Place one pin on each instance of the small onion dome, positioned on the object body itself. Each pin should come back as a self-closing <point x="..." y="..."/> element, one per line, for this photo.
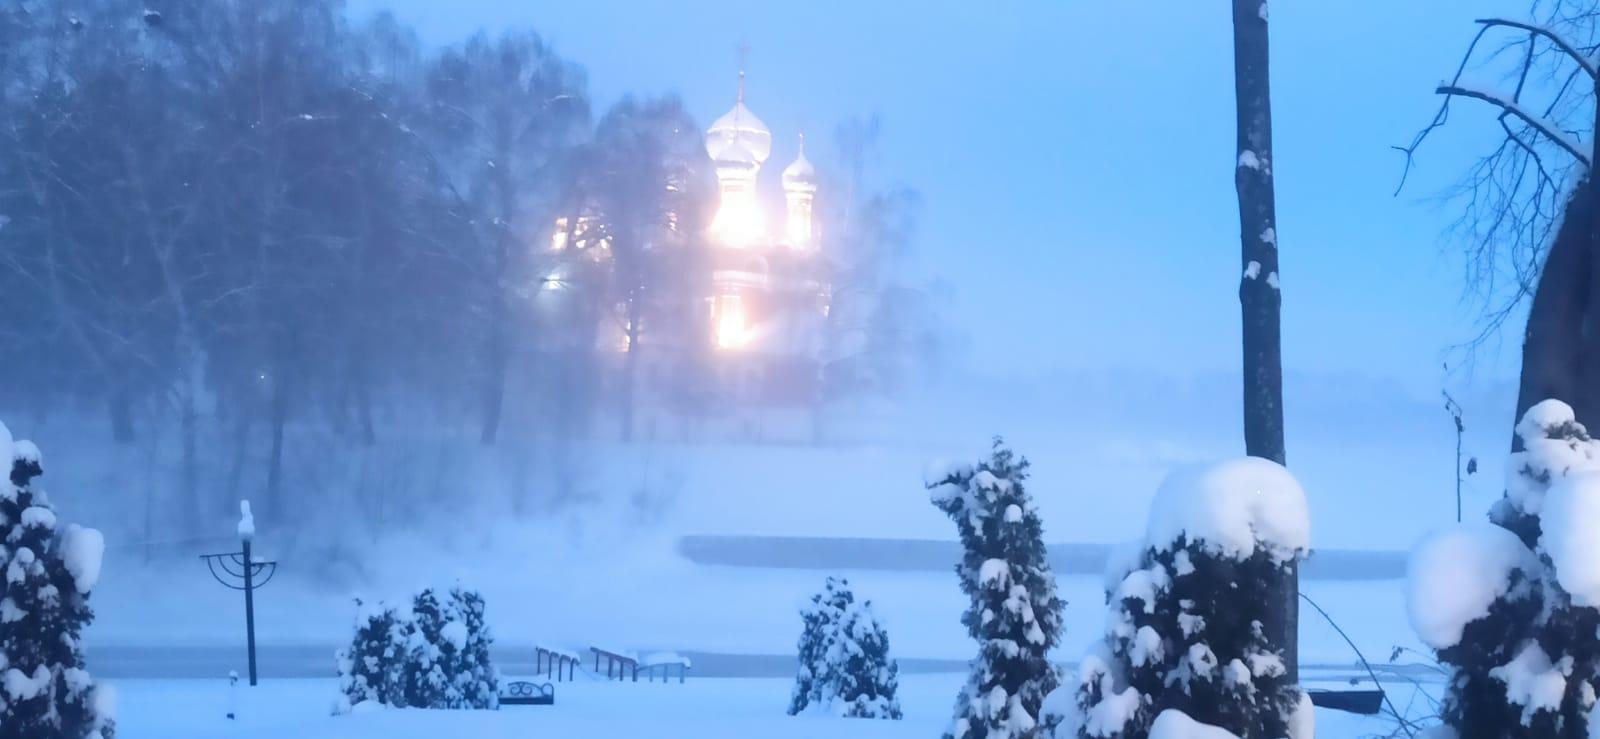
<point x="800" y="175"/>
<point x="739" y="127"/>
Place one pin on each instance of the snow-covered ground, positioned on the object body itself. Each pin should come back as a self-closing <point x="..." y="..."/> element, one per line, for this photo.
<point x="699" y="709"/>
<point x="606" y="570"/>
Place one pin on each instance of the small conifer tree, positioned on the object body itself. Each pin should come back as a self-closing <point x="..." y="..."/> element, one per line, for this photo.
<point x="45" y="688"/>
<point x="370" y="669"/>
<point x="820" y="619"/>
<point x="865" y="679"/>
<point x="1187" y="634"/>
<point x="1014" y="615"/>
<point x="476" y="679"/>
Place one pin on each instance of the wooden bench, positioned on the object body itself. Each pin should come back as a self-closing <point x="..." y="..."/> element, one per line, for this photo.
<point x="555" y="663"/>
<point x="524" y="693"/>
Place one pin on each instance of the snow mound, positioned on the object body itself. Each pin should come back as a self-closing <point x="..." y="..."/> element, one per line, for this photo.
<point x="1454" y="575"/>
<point x="1555" y="446"/>
<point x="455" y="632"/>
<point x="1231" y="507"/>
<point x="1532" y="681"/>
<point x="1175" y="724"/>
<point x="26" y="451"/>
<point x="82" y="551"/>
<point x="1570" y="510"/>
<point x="1542" y="416"/>
<point x="1303" y="722"/>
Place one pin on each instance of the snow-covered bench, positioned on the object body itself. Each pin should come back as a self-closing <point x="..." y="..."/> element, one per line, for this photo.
<point x="526" y="693"/>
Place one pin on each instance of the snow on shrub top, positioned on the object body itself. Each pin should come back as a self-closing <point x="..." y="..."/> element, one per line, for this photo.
<point x="1571" y="509"/>
<point x="1230" y="507"/>
<point x="1554" y="445"/>
<point x="1455" y="575"/>
<point x="83" y="550"/>
<point x="1175" y="724"/>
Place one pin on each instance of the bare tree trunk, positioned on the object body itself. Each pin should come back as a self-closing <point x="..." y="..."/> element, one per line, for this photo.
<point x="121" y="408"/>
<point x="494" y="381"/>
<point x="279" y="416"/>
<point x="1259" y="296"/>
<point x="630" y="369"/>
<point x="1554" y="338"/>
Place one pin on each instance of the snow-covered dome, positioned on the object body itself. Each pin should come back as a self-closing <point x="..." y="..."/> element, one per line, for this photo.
<point x="800" y="175"/>
<point x="739" y="127"/>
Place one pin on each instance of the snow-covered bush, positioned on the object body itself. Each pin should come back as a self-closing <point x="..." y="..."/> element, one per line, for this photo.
<point x="1015" y="615"/>
<point x="1511" y="607"/>
<point x="820" y="621"/>
<point x="1188" y="640"/>
<point x="845" y="666"/>
<point x="45" y="690"/>
<point x="476" y="679"/>
<point x="447" y="653"/>
<point x="370" y="669"/>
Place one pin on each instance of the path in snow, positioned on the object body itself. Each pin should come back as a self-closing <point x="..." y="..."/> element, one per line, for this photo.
<point x="903" y="555"/>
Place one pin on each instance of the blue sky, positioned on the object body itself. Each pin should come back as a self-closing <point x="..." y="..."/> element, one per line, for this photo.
<point x="1076" y="159"/>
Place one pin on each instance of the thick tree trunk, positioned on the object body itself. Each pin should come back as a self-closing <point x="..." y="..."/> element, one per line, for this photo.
<point x="1554" y="338"/>
<point x="1259" y="295"/>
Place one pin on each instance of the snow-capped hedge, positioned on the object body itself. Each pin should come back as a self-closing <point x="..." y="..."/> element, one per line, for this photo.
<point x="436" y="655"/>
<point x="845" y="667"/>
<point x="1511" y="607"/>
<point x="1188" y="651"/>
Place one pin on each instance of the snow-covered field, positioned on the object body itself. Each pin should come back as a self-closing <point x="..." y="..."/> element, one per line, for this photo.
<point x="608" y="571"/>
<point x="699" y="709"/>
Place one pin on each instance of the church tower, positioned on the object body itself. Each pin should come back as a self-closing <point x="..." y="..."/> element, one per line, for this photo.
<point x="738" y="143"/>
<point x="800" y="191"/>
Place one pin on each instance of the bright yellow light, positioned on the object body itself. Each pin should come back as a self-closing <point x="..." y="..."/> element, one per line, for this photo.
<point x="739" y="221"/>
<point x="732" y="330"/>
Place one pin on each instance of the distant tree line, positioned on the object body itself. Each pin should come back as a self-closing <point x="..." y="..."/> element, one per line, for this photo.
<point x="230" y="219"/>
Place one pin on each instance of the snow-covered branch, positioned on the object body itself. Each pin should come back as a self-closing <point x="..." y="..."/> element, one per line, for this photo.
<point x="1564" y="45"/>
<point x="1512" y="107"/>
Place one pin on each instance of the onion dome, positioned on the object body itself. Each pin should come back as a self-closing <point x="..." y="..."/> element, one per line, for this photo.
<point x="800" y="175"/>
<point x="739" y="127"/>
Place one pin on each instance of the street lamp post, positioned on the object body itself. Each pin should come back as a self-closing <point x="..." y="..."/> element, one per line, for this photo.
<point x="238" y="570"/>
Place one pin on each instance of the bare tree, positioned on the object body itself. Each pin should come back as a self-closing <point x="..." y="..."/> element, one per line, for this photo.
<point x="1259" y="295"/>
<point x="1528" y="236"/>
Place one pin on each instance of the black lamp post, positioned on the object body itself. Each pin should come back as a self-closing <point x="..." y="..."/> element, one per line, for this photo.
<point x="238" y="570"/>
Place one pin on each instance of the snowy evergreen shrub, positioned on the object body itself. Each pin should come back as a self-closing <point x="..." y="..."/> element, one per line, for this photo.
<point x="428" y="679"/>
<point x="370" y="669"/>
<point x="845" y="666"/>
<point x="1014" y="615"/>
<point x="1511" y="607"/>
<point x="1187" y="641"/>
<point x="45" y="690"/>
<point x="447" y="653"/>
<point x="819" y="623"/>
<point x="864" y="678"/>
<point x="476" y="679"/>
